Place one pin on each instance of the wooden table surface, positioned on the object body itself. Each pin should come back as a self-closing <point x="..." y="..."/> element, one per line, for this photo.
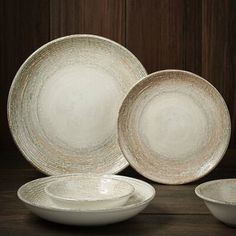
<point x="175" y="210"/>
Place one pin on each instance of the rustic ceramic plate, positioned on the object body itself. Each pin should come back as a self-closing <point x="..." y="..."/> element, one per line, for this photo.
<point x="174" y="127"/>
<point x="63" y="104"/>
<point x="35" y="198"/>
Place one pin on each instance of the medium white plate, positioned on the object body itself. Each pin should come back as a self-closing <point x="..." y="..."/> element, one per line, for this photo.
<point x="63" y="104"/>
<point x="174" y="127"/>
<point x="35" y="198"/>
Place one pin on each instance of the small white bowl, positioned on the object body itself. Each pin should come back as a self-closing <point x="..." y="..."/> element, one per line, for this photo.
<point x="89" y="193"/>
<point x="220" y="198"/>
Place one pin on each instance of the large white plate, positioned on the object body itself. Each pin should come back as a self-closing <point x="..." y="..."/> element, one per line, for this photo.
<point x="35" y="198"/>
<point x="63" y="104"/>
<point x="174" y="127"/>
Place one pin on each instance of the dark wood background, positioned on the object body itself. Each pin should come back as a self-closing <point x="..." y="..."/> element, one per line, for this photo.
<point x="195" y="35"/>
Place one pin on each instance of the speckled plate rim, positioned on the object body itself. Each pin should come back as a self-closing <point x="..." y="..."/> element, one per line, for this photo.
<point x="9" y="100"/>
<point x="117" y="209"/>
<point x="200" y="195"/>
<point x="119" y="121"/>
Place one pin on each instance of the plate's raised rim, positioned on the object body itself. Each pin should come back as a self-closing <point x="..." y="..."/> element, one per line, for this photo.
<point x="121" y="208"/>
<point x="208" y="199"/>
<point x="139" y="83"/>
<point x="9" y="99"/>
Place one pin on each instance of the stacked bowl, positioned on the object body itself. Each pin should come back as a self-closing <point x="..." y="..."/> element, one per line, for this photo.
<point x="86" y="206"/>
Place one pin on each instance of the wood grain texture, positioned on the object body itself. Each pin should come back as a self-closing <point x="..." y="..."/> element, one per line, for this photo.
<point x="24" y="27"/>
<point x="102" y="17"/>
<point x="194" y="35"/>
<point x="165" y="34"/>
<point x="175" y="210"/>
<point x="25" y="223"/>
<point x="219" y="51"/>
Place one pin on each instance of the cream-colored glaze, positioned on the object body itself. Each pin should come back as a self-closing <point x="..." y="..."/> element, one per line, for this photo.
<point x="174" y="127"/>
<point x="35" y="198"/>
<point x="63" y="104"/>
<point x="89" y="193"/>
<point x="220" y="198"/>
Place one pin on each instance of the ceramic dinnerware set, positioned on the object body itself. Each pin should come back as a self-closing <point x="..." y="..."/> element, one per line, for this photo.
<point x="82" y="107"/>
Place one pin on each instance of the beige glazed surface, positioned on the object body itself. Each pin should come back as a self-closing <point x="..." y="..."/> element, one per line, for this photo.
<point x="63" y="104"/>
<point x="85" y="192"/>
<point x="220" y="198"/>
<point x="174" y="127"/>
<point x="34" y="196"/>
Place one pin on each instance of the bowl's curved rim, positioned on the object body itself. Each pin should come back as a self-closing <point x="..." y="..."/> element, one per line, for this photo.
<point x="129" y="191"/>
<point x="213" y="200"/>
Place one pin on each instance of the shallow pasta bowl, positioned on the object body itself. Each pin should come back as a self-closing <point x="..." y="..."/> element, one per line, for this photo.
<point x="89" y="193"/>
<point x="33" y="195"/>
<point x="220" y="198"/>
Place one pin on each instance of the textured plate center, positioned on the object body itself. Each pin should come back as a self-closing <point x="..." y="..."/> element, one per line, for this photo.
<point x="78" y="106"/>
<point x="173" y="125"/>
